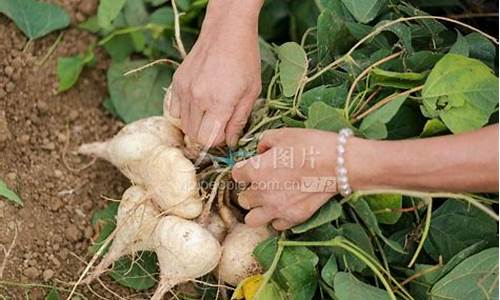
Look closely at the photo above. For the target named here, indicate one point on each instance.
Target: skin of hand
(465, 162)
(214, 89)
(289, 159)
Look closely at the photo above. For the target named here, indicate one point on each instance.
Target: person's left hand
(291, 178)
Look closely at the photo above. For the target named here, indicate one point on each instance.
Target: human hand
(291, 178)
(214, 89)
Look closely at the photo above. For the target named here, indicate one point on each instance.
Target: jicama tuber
(146, 152)
(237, 261)
(136, 221)
(185, 251)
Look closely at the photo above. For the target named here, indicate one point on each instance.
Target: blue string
(232, 157)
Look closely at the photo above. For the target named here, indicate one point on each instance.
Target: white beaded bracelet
(342, 180)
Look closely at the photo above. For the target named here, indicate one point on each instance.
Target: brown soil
(38, 127)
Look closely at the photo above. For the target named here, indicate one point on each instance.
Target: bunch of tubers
(161, 211)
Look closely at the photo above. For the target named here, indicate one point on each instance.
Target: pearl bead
(340, 149)
(343, 180)
(342, 139)
(340, 161)
(342, 171)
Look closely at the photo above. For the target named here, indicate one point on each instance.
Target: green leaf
(461, 46)
(332, 210)
(330, 270)
(433, 127)
(455, 226)
(107, 11)
(460, 257)
(120, 47)
(292, 66)
(52, 295)
(348, 287)
(135, 13)
(333, 96)
(462, 91)
(104, 220)
(373, 125)
(364, 10)
(163, 16)
(35, 18)
(475, 278)
(9, 194)
(333, 36)
(406, 80)
(290, 122)
(296, 269)
(90, 25)
(481, 48)
(386, 207)
(139, 273)
(297, 272)
(69, 69)
(363, 210)
(140, 95)
(324, 117)
(357, 234)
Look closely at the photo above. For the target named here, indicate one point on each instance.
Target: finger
(245, 170)
(257, 217)
(195, 119)
(304, 209)
(249, 199)
(238, 121)
(269, 139)
(211, 130)
(281, 224)
(185, 113)
(174, 104)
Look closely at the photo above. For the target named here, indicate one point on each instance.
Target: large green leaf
(481, 48)
(455, 226)
(138, 273)
(332, 210)
(357, 234)
(462, 91)
(323, 116)
(386, 207)
(334, 96)
(373, 125)
(330, 270)
(333, 36)
(364, 211)
(9, 194)
(348, 287)
(108, 10)
(292, 67)
(35, 18)
(69, 69)
(475, 278)
(364, 10)
(296, 269)
(139, 95)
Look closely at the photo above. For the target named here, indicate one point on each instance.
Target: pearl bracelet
(342, 180)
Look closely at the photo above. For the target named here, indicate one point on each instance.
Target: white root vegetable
(216, 226)
(136, 221)
(146, 152)
(171, 178)
(185, 251)
(237, 261)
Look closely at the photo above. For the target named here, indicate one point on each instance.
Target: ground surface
(38, 127)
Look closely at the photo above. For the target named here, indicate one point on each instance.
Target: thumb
(238, 121)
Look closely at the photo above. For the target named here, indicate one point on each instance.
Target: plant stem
(177, 30)
(51, 49)
(472, 201)
(385, 101)
(363, 74)
(272, 268)
(425, 233)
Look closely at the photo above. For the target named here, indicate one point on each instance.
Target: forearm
(456, 163)
(241, 14)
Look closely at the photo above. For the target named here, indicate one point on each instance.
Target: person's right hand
(214, 89)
